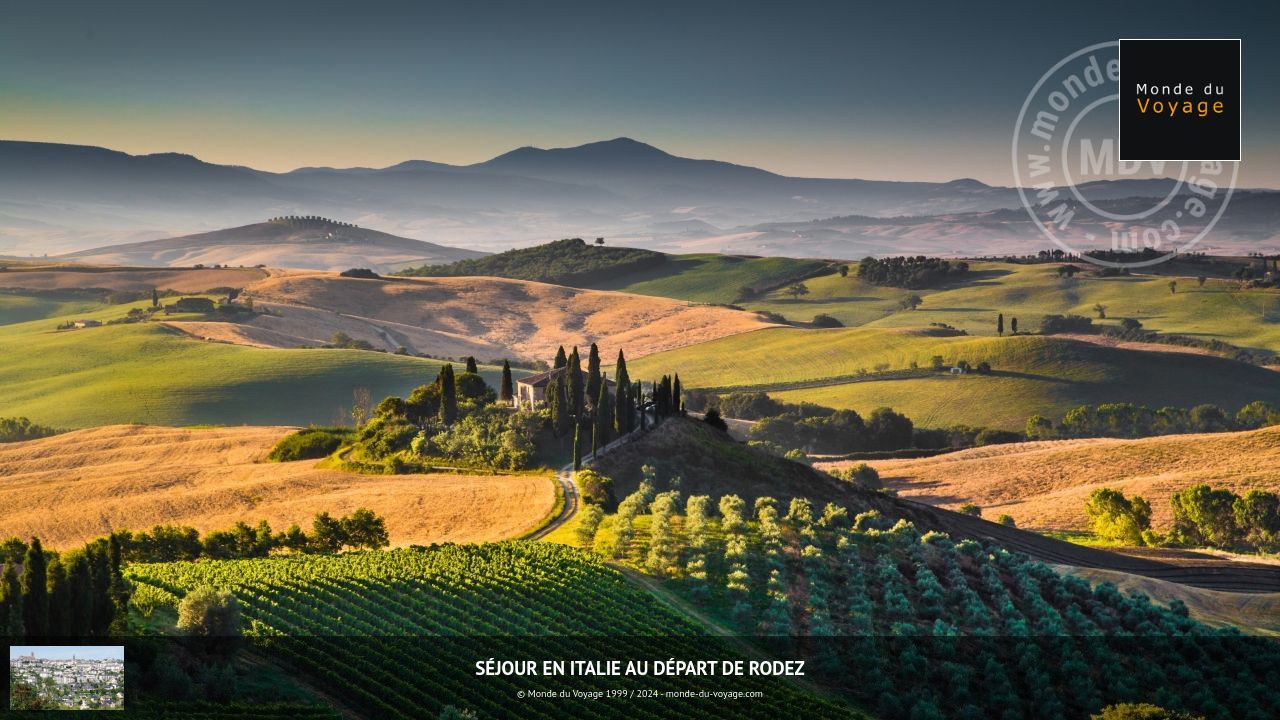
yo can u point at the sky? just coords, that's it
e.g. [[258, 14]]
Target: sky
[[898, 91], [64, 652]]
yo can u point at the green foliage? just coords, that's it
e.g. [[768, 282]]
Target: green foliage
[[594, 488], [1141, 711], [310, 444], [18, 429], [910, 272], [1204, 516], [431, 610], [562, 262], [1115, 517], [208, 612], [343, 341]]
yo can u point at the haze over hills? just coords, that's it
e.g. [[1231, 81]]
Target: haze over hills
[[315, 244], [67, 198]]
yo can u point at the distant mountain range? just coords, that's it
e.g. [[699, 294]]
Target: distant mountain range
[[315, 244], [64, 198]]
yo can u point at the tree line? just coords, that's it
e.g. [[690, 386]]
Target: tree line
[[79, 594], [362, 529], [1203, 516], [1127, 420]]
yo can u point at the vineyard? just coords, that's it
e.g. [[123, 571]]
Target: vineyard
[[917, 626], [398, 633]]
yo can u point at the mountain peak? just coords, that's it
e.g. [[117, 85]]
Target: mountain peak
[[621, 148]]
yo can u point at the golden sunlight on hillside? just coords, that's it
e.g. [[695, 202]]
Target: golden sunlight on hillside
[[1044, 485], [73, 487]]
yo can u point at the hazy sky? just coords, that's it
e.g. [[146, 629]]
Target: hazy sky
[[887, 90], [65, 652]]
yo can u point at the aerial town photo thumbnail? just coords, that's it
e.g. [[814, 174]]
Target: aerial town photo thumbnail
[[73, 677]]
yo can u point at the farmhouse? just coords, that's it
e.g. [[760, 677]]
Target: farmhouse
[[191, 304], [531, 390], [88, 323]]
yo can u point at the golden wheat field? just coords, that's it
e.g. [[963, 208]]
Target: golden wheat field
[[1044, 485], [481, 316], [73, 487]]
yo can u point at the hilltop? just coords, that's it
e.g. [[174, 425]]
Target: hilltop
[[73, 487], [312, 243], [1045, 484], [563, 262]]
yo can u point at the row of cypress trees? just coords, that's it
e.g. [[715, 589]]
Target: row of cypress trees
[[45, 594]]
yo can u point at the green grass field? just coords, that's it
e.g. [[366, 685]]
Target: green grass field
[[23, 308], [710, 278], [1032, 374], [150, 373], [1248, 318]]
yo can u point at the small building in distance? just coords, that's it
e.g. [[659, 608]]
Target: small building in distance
[[192, 304], [531, 390], [88, 323]]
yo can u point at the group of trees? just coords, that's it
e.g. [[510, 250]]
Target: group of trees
[[583, 405], [840, 431], [935, 627], [1013, 325], [362, 529], [17, 429], [811, 428], [1127, 420], [909, 272], [1203, 516], [78, 594]]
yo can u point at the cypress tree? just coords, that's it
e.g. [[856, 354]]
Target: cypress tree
[[102, 607], [677, 401], [155, 298], [471, 365], [593, 373], [637, 403], [80, 590], [558, 405], [505, 390], [35, 591], [561, 361], [11, 603], [576, 386], [448, 395], [577, 446], [623, 410], [59, 599], [644, 417], [604, 419], [1013, 326], [1000, 324]]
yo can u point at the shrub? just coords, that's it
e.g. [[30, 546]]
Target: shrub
[[595, 489], [712, 418], [309, 444], [970, 509], [209, 613], [823, 320], [1006, 520]]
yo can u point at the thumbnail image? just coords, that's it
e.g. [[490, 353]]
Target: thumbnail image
[[70, 677]]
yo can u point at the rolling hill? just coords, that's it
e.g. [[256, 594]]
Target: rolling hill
[[80, 485], [487, 317], [152, 373], [311, 244], [1031, 374], [1044, 485]]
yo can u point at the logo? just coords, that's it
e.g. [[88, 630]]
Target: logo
[[1082, 196]]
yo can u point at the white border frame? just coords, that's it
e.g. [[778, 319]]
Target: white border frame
[[1240, 115]]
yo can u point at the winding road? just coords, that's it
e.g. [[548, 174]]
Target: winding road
[[565, 478]]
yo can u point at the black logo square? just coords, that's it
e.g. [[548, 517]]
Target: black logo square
[[1180, 100]]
